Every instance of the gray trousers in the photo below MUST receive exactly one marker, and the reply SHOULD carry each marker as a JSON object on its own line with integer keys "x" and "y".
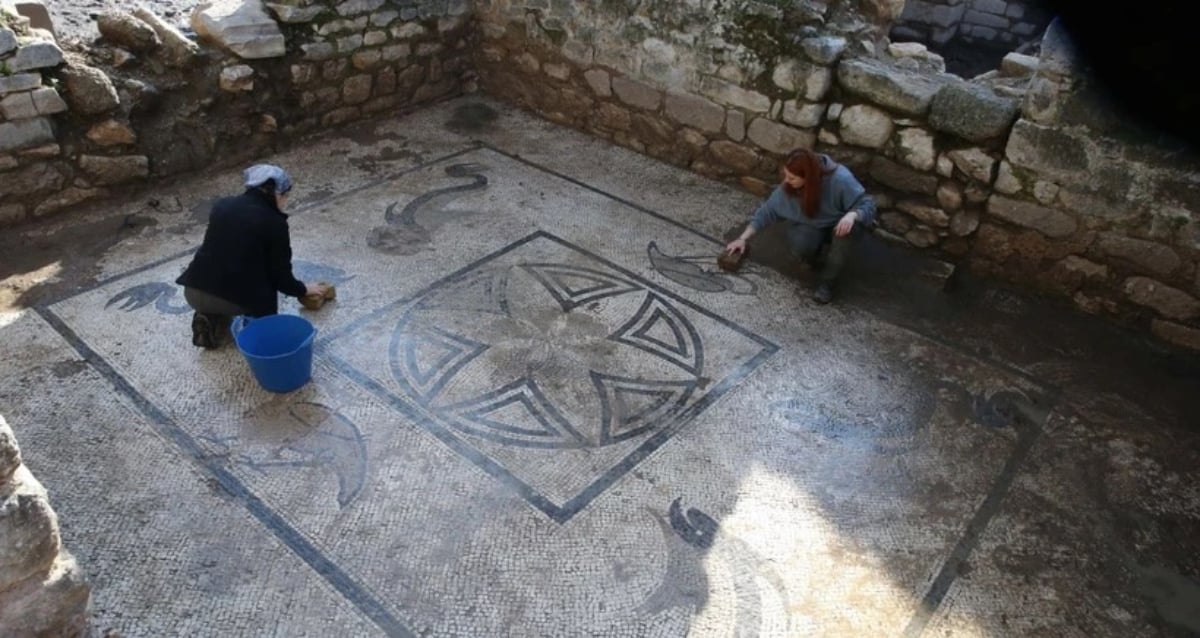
{"x": 207, "y": 304}
{"x": 806, "y": 243}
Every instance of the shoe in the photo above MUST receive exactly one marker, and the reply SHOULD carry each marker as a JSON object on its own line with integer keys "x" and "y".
{"x": 824, "y": 293}
{"x": 202, "y": 332}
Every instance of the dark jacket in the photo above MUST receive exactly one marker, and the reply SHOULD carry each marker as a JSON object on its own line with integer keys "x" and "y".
{"x": 246, "y": 256}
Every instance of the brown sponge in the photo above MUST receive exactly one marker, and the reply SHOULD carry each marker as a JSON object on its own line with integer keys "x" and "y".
{"x": 731, "y": 263}
{"x": 315, "y": 302}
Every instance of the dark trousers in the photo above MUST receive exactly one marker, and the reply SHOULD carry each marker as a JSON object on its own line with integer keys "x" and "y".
{"x": 207, "y": 304}
{"x": 807, "y": 241}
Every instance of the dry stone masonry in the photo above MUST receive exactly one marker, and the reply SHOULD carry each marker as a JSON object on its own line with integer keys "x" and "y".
{"x": 148, "y": 100}
{"x": 1010, "y": 23}
{"x": 42, "y": 590}
{"x": 1023, "y": 173}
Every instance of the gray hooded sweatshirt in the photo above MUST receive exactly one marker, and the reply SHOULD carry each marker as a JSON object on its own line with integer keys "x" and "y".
{"x": 841, "y": 193}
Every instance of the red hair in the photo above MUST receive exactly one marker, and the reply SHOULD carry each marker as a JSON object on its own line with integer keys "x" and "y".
{"x": 806, "y": 164}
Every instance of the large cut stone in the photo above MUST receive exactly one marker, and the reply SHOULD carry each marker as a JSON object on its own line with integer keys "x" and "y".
{"x": 28, "y": 528}
{"x": 695, "y": 111}
{"x": 977, "y": 164}
{"x": 735, "y": 156}
{"x": 865, "y": 125}
{"x": 804, "y": 115}
{"x": 636, "y": 94}
{"x": 905, "y": 91}
{"x": 1147, "y": 256}
{"x": 38, "y": 55}
{"x": 295, "y": 15}
{"x": 972, "y": 112}
{"x": 180, "y": 50}
{"x": 8, "y": 41}
{"x": 824, "y": 49}
{"x": 89, "y": 90}
{"x": 355, "y": 7}
{"x": 126, "y": 30}
{"x": 1055, "y": 154}
{"x": 242, "y": 26}
{"x": 54, "y": 603}
{"x": 18, "y": 106}
{"x": 19, "y": 82}
{"x": 778, "y": 138}
{"x": 899, "y": 177}
{"x": 1048, "y": 221}
{"x": 915, "y": 147}
{"x": 10, "y": 452}
{"x": 1177, "y": 334}
{"x": 1169, "y": 302}
{"x": 925, "y": 214}
{"x": 23, "y": 134}
{"x": 47, "y": 101}
{"x": 809, "y": 80}
{"x": 114, "y": 170}
{"x": 729, "y": 94}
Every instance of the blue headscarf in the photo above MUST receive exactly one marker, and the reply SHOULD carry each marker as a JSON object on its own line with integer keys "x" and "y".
{"x": 258, "y": 175}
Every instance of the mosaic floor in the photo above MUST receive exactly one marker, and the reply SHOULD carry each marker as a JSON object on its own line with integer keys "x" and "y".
{"x": 538, "y": 409}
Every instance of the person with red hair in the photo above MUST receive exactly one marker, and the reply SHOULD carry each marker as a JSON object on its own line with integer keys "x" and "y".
{"x": 823, "y": 204}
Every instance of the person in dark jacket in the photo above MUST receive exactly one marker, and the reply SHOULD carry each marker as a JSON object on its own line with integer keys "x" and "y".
{"x": 245, "y": 260}
{"x": 823, "y": 204}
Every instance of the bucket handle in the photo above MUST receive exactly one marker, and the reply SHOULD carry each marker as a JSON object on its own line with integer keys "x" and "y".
{"x": 238, "y": 324}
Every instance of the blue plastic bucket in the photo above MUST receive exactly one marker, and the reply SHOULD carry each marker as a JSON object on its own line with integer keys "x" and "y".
{"x": 278, "y": 348}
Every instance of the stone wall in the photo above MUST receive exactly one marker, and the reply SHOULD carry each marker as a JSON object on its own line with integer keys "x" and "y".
{"x": 42, "y": 591}
{"x": 147, "y": 100}
{"x": 1009, "y": 23}
{"x": 1023, "y": 173}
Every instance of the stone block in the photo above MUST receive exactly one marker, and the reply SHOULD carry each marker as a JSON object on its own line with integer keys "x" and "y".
{"x": 729, "y": 94}
{"x": 915, "y": 147}
{"x": 19, "y": 82}
{"x": 905, "y": 91}
{"x": 29, "y": 528}
{"x": 47, "y": 101}
{"x": 1168, "y": 302}
{"x": 902, "y": 178}
{"x": 89, "y": 90}
{"x": 778, "y": 138}
{"x": 636, "y": 94}
{"x": 289, "y": 14}
{"x": 560, "y": 72}
{"x": 25, "y": 133}
{"x": 241, "y": 26}
{"x": 1146, "y": 256}
{"x": 357, "y": 89}
{"x": 127, "y": 32}
{"x": 1054, "y": 153}
{"x": 8, "y": 41}
{"x": 613, "y": 117}
{"x": 350, "y": 43}
{"x": 600, "y": 82}
{"x": 735, "y": 156}
{"x": 114, "y": 170}
{"x": 1018, "y": 65}
{"x": 792, "y": 74}
{"x": 237, "y": 78}
{"x": 824, "y": 49}
{"x": 975, "y": 163}
{"x": 865, "y": 125}
{"x": 964, "y": 223}
{"x": 384, "y": 18}
{"x": 1006, "y": 180}
{"x": 972, "y": 112}
{"x": 803, "y": 114}
{"x": 394, "y": 52}
{"x": 921, "y": 237}
{"x": 408, "y": 30}
{"x": 735, "y": 125}
{"x": 1048, "y": 221}
{"x": 926, "y": 214}
{"x": 950, "y": 196}
{"x": 318, "y": 51}
{"x": 364, "y": 60}
{"x": 55, "y": 603}
{"x": 1177, "y": 334}
{"x": 111, "y": 133}
{"x": 36, "y": 56}
{"x": 358, "y": 7}
{"x": 18, "y": 106}
{"x": 695, "y": 111}
{"x": 985, "y": 19}
{"x": 375, "y": 38}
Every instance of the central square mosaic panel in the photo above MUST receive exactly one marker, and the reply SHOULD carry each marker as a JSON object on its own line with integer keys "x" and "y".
{"x": 554, "y": 370}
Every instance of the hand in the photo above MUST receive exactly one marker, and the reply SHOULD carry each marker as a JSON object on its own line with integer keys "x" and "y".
{"x": 846, "y": 224}
{"x": 316, "y": 290}
{"x": 736, "y": 247}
